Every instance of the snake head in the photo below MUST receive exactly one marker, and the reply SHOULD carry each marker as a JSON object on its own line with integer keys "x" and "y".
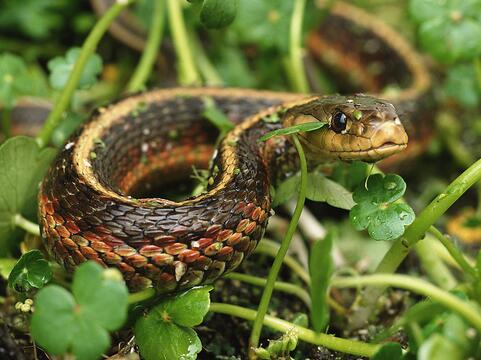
{"x": 359, "y": 127}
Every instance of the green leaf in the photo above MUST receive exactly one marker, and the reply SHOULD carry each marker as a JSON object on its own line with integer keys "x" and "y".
{"x": 320, "y": 188}
{"x": 376, "y": 209}
{"x": 14, "y": 79}
{"x": 310, "y": 126}
{"x": 31, "y": 271}
{"x": 79, "y": 323}
{"x": 165, "y": 332}
{"x": 320, "y": 268}
{"x": 449, "y": 30}
{"x": 389, "y": 351}
{"x": 216, "y": 14}
{"x": 438, "y": 347}
{"x": 23, "y": 166}
{"x": 461, "y": 85}
{"x": 286, "y": 190}
{"x": 216, "y": 117}
{"x": 61, "y": 68}
{"x": 279, "y": 348}
{"x": 350, "y": 175}
{"x": 6, "y": 266}
{"x": 35, "y": 18}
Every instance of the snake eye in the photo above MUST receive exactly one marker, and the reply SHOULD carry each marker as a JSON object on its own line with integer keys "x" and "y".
{"x": 339, "y": 122}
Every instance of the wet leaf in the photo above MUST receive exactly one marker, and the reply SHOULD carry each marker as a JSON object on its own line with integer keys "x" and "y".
{"x": 376, "y": 209}
{"x": 166, "y": 333}
{"x": 79, "y": 322}
{"x": 23, "y": 166}
{"x": 320, "y": 268}
{"x": 30, "y": 271}
{"x": 61, "y": 67}
{"x": 216, "y": 14}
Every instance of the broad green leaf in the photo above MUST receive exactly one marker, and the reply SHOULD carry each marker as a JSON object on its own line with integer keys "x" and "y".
{"x": 310, "y": 126}
{"x": 14, "y": 79}
{"x": 389, "y": 351}
{"x": 350, "y": 175}
{"x": 286, "y": 190}
{"x": 61, "y": 67}
{"x": 31, "y": 271}
{"x": 376, "y": 209}
{"x": 165, "y": 332}
{"x": 320, "y": 268}
{"x": 449, "y": 29}
{"x": 35, "y": 18}
{"x": 216, "y": 14}
{"x": 78, "y": 323}
{"x": 438, "y": 347}
{"x": 23, "y": 166}
{"x": 320, "y": 188}
{"x": 461, "y": 85}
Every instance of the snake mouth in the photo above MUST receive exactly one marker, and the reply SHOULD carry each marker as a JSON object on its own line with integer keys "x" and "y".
{"x": 372, "y": 154}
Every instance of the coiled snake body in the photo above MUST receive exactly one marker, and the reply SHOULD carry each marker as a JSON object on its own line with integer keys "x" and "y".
{"x": 93, "y": 203}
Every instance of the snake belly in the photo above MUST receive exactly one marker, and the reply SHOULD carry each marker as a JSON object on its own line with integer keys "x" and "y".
{"x": 158, "y": 136}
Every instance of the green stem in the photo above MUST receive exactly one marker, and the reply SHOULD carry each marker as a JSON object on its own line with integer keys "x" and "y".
{"x": 296, "y": 52}
{"x": 276, "y": 265}
{"x": 88, "y": 48}
{"x": 207, "y": 70}
{"x": 434, "y": 267}
{"x": 27, "y": 225}
{"x": 7, "y": 122}
{"x": 271, "y": 248}
{"x": 418, "y": 286}
{"x": 146, "y": 63}
{"x": 401, "y": 247}
{"x": 278, "y": 285}
{"x": 353, "y": 347}
{"x": 453, "y": 251}
{"x": 141, "y": 296}
{"x": 188, "y": 74}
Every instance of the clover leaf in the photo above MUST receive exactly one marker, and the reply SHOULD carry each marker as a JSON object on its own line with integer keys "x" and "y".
{"x": 449, "y": 30}
{"x": 23, "y": 166}
{"x": 461, "y": 84}
{"x": 170, "y": 324}
{"x": 30, "y": 271}
{"x": 61, "y": 68}
{"x": 377, "y": 210}
{"x": 79, "y": 322}
{"x": 14, "y": 79}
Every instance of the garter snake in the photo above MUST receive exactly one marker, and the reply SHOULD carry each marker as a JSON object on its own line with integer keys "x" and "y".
{"x": 94, "y": 202}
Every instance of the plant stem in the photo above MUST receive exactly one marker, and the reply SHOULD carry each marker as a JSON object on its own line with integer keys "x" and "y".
{"x": 7, "y": 122}
{"x": 88, "y": 48}
{"x": 278, "y": 285}
{"x": 418, "y": 286}
{"x": 414, "y": 232}
{"x": 453, "y": 251}
{"x": 276, "y": 265}
{"x": 353, "y": 347}
{"x": 27, "y": 225}
{"x": 188, "y": 74}
{"x": 146, "y": 63}
{"x": 296, "y": 52}
{"x": 271, "y": 248}
{"x": 141, "y": 296}
{"x": 434, "y": 267}
{"x": 207, "y": 70}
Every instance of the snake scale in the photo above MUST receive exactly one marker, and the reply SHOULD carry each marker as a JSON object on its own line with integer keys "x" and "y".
{"x": 94, "y": 202}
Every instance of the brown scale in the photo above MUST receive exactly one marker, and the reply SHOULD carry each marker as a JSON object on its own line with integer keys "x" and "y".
{"x": 154, "y": 241}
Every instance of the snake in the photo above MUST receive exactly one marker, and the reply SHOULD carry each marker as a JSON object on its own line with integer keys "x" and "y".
{"x": 98, "y": 199}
